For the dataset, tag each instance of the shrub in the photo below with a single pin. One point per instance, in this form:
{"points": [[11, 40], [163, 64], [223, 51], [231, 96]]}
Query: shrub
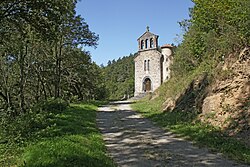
{"points": [[52, 105]]}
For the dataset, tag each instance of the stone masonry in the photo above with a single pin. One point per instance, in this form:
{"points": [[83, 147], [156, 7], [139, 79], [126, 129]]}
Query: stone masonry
{"points": [[151, 63]]}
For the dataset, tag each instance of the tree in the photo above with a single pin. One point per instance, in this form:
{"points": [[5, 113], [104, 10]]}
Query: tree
{"points": [[39, 44], [42, 16], [72, 33], [215, 29]]}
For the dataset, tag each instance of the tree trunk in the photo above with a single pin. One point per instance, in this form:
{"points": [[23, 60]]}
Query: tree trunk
{"points": [[40, 80], [22, 81], [58, 67], [37, 90]]}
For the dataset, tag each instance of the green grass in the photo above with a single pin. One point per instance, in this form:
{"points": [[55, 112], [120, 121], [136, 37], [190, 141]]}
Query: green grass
{"points": [[186, 125], [54, 139]]}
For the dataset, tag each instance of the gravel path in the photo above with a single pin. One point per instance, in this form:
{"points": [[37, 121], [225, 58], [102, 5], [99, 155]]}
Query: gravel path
{"points": [[133, 141]]}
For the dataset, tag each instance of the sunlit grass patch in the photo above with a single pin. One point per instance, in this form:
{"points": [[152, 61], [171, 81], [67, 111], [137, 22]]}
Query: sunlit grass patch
{"points": [[66, 137], [72, 150]]}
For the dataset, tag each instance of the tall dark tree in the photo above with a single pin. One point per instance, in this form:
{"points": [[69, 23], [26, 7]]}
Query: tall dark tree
{"points": [[38, 39]]}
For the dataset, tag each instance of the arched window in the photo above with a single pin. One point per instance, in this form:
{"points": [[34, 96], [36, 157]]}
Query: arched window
{"points": [[151, 43], [142, 44], [148, 64], [146, 43], [167, 69], [145, 65], [166, 59]]}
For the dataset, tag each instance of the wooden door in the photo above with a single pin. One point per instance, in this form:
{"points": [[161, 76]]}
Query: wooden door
{"points": [[147, 85]]}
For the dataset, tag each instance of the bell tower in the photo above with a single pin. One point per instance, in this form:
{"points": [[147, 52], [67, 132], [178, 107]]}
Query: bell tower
{"points": [[147, 41]]}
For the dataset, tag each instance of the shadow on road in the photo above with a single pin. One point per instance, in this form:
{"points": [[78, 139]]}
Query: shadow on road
{"points": [[121, 102], [134, 141]]}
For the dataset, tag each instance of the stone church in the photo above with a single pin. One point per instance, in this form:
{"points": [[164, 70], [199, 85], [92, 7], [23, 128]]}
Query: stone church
{"points": [[151, 63]]}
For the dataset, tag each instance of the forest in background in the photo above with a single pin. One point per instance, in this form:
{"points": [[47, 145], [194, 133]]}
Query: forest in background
{"points": [[119, 78]]}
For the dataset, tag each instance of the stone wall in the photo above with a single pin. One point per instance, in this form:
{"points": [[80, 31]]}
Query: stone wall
{"points": [[166, 63], [154, 72]]}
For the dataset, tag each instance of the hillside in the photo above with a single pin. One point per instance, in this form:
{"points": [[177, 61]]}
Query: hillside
{"points": [[220, 98]]}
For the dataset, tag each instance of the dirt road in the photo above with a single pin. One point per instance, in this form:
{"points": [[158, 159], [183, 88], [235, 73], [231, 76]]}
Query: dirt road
{"points": [[133, 141]]}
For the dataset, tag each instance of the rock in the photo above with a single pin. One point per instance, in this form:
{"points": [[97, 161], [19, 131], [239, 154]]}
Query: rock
{"points": [[169, 105], [212, 103]]}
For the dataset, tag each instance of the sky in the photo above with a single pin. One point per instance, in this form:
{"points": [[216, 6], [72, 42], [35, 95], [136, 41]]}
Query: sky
{"points": [[119, 23]]}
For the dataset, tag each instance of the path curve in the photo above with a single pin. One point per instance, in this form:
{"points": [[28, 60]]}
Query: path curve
{"points": [[133, 141]]}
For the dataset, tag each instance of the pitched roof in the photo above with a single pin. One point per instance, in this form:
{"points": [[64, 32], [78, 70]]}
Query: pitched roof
{"points": [[166, 46], [147, 33]]}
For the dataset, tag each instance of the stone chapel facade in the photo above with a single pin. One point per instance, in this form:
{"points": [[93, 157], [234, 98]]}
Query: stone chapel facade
{"points": [[151, 63]]}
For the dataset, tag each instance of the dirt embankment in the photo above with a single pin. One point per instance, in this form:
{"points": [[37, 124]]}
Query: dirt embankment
{"points": [[223, 102], [227, 105]]}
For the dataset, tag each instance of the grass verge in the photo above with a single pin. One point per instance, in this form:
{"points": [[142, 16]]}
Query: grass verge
{"points": [[186, 125], [62, 138]]}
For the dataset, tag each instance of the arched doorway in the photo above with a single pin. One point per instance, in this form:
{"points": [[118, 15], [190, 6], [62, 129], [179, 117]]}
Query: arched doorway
{"points": [[147, 85]]}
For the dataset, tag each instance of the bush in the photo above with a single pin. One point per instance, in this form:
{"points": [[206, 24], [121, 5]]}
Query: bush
{"points": [[52, 105], [23, 126]]}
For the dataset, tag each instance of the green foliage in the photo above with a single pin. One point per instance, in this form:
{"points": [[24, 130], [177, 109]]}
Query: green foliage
{"points": [[41, 54], [215, 15], [52, 105], [119, 78], [42, 16], [51, 138], [24, 126], [215, 29]]}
